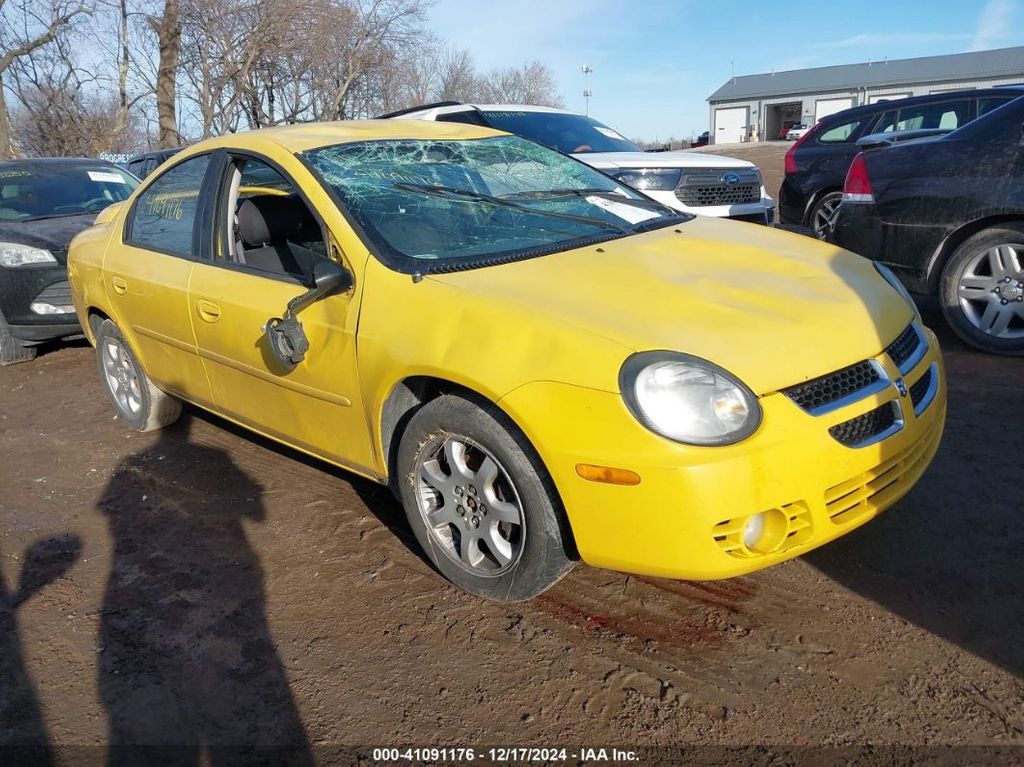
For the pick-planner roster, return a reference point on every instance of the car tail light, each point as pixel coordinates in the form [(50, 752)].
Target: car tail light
[(858, 186), (791, 152)]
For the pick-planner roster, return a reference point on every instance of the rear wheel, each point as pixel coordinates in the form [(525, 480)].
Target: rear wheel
[(823, 214), (11, 350), (138, 402), (479, 502), (982, 291)]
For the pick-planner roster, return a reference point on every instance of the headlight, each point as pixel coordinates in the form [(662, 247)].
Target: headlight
[(648, 179), (889, 276), (688, 399), (13, 255)]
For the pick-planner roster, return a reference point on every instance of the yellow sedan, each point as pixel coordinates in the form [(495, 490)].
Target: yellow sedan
[(543, 364)]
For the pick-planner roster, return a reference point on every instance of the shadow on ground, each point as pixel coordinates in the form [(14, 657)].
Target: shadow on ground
[(22, 729), (187, 662)]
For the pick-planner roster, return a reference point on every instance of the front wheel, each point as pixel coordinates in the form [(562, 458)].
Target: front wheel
[(982, 291), (12, 352), (137, 401), (479, 501)]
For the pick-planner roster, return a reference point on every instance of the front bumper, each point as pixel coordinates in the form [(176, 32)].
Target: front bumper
[(762, 212), (21, 287), (684, 519)]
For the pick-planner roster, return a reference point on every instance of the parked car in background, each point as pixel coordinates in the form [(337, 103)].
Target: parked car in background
[(542, 363), (43, 204), (816, 165), (797, 131), (692, 182), (702, 140), (784, 130), (947, 214), (143, 164)]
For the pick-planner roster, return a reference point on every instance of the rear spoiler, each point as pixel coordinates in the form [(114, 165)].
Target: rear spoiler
[(880, 140)]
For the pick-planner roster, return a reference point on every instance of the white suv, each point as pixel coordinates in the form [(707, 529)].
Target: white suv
[(693, 182)]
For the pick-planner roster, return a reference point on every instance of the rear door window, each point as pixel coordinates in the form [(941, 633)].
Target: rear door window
[(164, 215), (840, 134), (986, 105), (946, 114)]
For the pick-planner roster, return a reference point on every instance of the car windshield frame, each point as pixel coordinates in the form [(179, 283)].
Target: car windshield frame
[(601, 138), (597, 198), (45, 178)]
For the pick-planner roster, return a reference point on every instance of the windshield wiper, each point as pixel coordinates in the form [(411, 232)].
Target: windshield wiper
[(468, 194), (544, 194), (55, 215)]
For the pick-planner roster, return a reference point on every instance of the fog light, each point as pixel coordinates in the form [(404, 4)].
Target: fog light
[(40, 307), (753, 530)]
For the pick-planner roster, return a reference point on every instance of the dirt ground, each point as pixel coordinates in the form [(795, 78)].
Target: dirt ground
[(204, 586)]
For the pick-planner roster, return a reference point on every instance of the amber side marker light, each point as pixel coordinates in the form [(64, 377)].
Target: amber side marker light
[(607, 474)]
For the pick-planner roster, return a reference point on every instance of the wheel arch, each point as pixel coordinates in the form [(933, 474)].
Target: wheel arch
[(411, 393), (94, 317), (813, 200), (938, 260)]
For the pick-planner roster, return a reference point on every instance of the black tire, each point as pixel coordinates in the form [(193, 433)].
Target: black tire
[(963, 266), (829, 200), (542, 555), (11, 350), (155, 408)]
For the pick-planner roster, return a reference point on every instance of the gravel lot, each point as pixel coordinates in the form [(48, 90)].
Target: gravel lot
[(204, 586)]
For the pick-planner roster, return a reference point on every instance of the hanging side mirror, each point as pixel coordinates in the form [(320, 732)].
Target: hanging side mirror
[(287, 339)]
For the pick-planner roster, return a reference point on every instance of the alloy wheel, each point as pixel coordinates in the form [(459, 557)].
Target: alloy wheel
[(469, 504), (991, 291), (121, 376), (824, 217)]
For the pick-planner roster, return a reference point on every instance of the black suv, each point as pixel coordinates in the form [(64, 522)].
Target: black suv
[(43, 204), (816, 165), (141, 165)]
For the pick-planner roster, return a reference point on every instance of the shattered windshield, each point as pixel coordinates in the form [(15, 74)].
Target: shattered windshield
[(442, 204)]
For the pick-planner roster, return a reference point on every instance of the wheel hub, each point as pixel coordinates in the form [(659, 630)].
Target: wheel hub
[(470, 505), (1009, 289)]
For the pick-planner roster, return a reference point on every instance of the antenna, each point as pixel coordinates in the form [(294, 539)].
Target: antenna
[(587, 93)]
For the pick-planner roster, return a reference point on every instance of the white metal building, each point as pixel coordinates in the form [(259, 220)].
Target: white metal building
[(769, 101)]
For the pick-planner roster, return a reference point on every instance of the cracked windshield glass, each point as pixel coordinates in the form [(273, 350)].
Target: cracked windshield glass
[(459, 203)]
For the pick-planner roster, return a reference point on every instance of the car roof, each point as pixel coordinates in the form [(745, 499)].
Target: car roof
[(1010, 91), (53, 162), (307, 136), (450, 107)]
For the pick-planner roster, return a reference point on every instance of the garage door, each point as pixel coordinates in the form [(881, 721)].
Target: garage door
[(826, 107), (730, 125)]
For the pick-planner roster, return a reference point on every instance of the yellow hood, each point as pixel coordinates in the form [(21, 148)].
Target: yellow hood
[(771, 307)]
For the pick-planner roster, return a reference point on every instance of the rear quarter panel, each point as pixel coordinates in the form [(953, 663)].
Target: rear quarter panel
[(85, 265)]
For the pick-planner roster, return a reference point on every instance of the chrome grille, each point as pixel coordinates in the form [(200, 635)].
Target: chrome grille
[(870, 427), (832, 391), (907, 349), (704, 188)]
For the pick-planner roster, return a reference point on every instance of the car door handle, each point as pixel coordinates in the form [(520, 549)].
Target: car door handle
[(208, 310), (119, 284)]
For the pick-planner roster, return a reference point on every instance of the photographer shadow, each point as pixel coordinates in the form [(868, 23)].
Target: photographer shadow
[(188, 670), (23, 734)]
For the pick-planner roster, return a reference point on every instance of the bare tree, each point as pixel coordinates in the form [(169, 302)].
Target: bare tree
[(531, 83), (167, 28), (457, 78), (26, 26)]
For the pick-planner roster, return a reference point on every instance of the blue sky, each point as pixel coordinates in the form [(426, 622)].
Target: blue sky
[(656, 61)]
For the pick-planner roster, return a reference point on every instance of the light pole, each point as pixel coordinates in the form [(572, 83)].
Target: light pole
[(587, 93)]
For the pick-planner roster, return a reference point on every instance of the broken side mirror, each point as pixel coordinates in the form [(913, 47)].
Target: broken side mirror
[(287, 339)]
